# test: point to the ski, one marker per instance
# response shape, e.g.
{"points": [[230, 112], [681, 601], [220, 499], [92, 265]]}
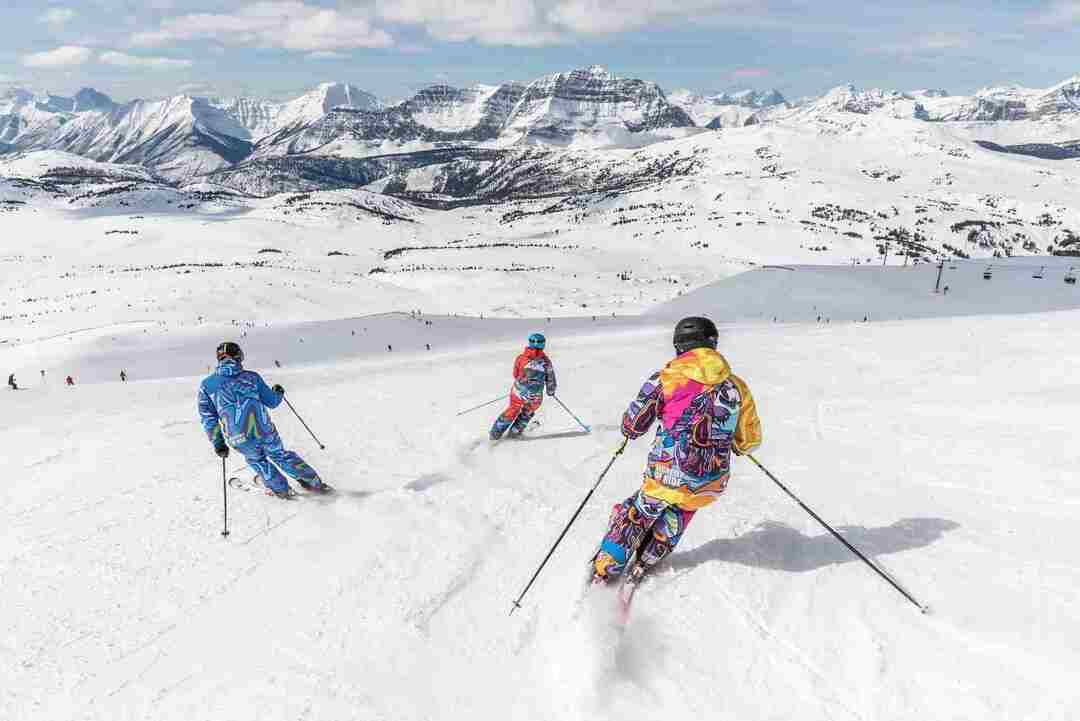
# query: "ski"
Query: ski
{"points": [[256, 486]]}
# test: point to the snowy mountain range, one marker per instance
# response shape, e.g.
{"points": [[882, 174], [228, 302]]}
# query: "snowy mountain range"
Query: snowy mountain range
{"points": [[184, 138]]}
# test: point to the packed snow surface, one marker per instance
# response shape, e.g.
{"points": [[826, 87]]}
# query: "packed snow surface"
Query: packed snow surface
{"points": [[942, 446]]}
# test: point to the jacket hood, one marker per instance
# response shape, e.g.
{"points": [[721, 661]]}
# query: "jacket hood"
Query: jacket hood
{"points": [[704, 365], [229, 367]]}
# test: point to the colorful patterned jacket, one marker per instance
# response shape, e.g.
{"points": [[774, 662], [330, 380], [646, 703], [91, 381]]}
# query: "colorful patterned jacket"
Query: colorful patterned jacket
{"points": [[233, 405], [705, 412], [532, 372]]}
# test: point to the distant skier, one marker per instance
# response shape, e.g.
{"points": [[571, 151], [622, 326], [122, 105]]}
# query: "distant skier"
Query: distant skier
{"points": [[70, 381], [11, 382], [123, 376], [233, 405], [533, 372], [705, 412]]}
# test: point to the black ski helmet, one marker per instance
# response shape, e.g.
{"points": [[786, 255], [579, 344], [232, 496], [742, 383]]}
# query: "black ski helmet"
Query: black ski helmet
{"points": [[693, 333], [228, 349]]}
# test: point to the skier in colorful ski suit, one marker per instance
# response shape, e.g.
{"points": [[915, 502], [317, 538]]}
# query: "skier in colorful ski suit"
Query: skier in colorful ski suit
{"points": [[705, 413], [233, 405], [533, 372]]}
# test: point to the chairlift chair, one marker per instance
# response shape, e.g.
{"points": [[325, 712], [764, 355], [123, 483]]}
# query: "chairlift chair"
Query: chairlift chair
{"points": [[1070, 277], [1039, 273], [987, 274]]}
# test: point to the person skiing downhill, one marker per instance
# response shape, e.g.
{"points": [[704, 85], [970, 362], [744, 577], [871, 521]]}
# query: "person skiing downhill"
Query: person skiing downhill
{"points": [[533, 372], [705, 413], [11, 382], [233, 405]]}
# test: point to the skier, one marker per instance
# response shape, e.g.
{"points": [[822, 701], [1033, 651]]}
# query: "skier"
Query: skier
{"points": [[70, 381], [123, 376], [705, 412], [233, 405], [533, 372], [11, 382]]}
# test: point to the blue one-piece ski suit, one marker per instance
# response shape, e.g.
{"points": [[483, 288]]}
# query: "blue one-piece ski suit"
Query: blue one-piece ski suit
{"points": [[233, 405]]}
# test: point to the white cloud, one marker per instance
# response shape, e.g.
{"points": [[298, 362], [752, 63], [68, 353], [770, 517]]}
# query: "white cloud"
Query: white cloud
{"points": [[57, 16], [326, 55], [494, 22], [1060, 15], [60, 57], [545, 22], [124, 60], [287, 24]]}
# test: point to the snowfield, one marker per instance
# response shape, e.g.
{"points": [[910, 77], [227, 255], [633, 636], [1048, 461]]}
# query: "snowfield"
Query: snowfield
{"points": [[942, 446]]}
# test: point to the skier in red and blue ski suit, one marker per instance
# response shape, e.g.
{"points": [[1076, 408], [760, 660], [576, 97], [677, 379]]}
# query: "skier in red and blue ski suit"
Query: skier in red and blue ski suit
{"points": [[233, 405], [705, 413], [533, 372]]}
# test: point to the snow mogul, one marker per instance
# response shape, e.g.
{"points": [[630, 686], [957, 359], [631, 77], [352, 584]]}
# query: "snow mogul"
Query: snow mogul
{"points": [[533, 371], [233, 407], [705, 413]]}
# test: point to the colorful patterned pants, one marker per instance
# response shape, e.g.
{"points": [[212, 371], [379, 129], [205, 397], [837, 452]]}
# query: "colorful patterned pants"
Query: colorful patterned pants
{"points": [[267, 454], [516, 416], [642, 525]]}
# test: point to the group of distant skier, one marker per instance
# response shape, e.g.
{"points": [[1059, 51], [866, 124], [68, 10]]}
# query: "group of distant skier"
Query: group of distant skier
{"points": [[705, 413], [69, 381]]}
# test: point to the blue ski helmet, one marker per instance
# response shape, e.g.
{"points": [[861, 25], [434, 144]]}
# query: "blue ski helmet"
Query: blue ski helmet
{"points": [[537, 340]]}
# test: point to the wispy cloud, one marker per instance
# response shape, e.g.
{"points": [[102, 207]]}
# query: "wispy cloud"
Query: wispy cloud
{"points": [[72, 55], [112, 57], [1060, 15], [57, 16], [285, 24], [66, 55], [326, 55]]}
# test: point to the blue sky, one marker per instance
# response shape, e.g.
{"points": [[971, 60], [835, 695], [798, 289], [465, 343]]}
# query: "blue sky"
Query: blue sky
{"points": [[278, 48]]}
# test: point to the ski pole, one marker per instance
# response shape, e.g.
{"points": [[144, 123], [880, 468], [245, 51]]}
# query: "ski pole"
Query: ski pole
{"points": [[840, 538], [618, 452], [476, 408], [559, 401], [224, 499], [321, 446]]}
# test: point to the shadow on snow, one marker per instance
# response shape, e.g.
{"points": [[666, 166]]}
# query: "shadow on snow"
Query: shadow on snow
{"points": [[781, 547]]}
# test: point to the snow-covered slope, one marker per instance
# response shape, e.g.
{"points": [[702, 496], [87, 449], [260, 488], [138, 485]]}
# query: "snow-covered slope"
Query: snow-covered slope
{"points": [[725, 110], [263, 117], [390, 599], [66, 168], [180, 137]]}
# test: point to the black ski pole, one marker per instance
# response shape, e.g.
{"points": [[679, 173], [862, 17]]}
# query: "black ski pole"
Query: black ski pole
{"points": [[840, 538], [225, 499], [321, 446], [618, 452], [559, 401], [476, 408]]}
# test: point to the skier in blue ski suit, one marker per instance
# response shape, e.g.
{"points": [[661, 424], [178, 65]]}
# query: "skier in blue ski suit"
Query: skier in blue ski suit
{"points": [[233, 405]]}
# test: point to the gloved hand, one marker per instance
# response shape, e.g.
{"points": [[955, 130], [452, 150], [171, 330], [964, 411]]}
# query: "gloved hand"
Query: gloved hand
{"points": [[279, 389], [222, 450]]}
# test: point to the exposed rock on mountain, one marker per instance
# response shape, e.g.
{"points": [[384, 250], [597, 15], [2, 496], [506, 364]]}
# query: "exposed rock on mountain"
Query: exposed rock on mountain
{"points": [[559, 107]]}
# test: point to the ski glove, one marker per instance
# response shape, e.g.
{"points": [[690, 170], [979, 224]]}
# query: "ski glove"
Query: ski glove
{"points": [[222, 450], [279, 389]]}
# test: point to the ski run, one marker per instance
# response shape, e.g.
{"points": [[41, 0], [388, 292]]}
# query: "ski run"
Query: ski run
{"points": [[943, 447]]}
